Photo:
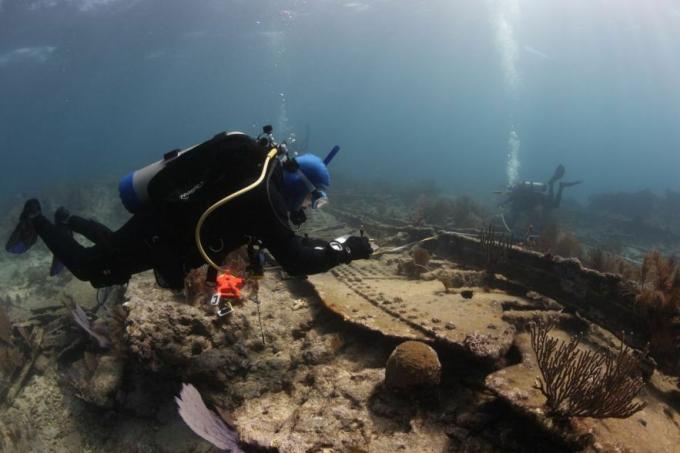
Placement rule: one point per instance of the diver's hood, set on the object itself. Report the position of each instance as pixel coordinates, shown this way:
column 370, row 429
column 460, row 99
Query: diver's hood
column 304, row 175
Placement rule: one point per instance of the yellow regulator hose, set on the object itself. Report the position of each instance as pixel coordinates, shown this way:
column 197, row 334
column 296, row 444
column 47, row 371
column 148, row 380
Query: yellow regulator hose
column 197, row 233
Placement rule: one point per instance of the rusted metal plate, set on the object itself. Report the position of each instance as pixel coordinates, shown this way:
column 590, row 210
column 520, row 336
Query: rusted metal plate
column 371, row 295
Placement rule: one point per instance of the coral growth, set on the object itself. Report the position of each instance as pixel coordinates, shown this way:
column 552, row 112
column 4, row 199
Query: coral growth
column 116, row 330
column 417, row 265
column 454, row 278
column 205, row 422
column 412, row 365
column 659, row 302
column 608, row 262
column 196, row 288
column 421, row 257
column 556, row 242
column 579, row 383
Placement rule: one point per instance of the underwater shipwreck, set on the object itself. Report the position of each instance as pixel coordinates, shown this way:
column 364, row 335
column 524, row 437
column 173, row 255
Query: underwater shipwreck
column 452, row 337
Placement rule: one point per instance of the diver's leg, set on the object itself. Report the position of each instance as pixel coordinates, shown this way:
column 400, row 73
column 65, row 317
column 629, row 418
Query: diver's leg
column 510, row 219
column 100, row 264
column 557, row 175
column 90, row 229
column 73, row 255
column 558, row 198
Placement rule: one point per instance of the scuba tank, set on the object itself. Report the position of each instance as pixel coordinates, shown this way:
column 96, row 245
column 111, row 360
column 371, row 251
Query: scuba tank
column 133, row 188
column 534, row 186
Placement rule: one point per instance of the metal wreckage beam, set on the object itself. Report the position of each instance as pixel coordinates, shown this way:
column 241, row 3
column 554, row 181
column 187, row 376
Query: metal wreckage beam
column 605, row 299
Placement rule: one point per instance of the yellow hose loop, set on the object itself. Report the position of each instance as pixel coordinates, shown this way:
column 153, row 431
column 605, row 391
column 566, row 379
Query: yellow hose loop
column 197, row 233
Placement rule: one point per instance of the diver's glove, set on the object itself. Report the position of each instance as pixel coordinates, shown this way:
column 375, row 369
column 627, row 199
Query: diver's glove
column 359, row 247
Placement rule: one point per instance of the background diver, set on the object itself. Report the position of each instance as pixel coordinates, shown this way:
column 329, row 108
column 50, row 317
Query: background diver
column 535, row 200
column 196, row 206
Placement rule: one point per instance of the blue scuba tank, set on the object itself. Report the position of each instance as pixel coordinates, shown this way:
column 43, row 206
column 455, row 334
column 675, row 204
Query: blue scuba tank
column 133, row 187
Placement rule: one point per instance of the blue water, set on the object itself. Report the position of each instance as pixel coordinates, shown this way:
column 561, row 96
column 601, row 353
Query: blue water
column 412, row 90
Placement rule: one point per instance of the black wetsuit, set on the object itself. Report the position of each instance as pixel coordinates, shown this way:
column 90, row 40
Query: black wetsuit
column 162, row 236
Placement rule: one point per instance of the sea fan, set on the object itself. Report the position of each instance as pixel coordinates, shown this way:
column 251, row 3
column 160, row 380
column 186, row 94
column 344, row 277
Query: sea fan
column 205, row 422
column 80, row 318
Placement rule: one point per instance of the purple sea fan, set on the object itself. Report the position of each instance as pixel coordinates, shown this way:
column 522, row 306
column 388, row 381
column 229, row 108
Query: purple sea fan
column 205, row 422
column 80, row 318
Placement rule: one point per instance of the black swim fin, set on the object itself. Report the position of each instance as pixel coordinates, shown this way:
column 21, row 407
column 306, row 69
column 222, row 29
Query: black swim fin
column 24, row 235
column 559, row 172
column 56, row 267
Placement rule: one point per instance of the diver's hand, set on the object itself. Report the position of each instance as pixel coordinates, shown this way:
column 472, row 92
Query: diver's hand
column 359, row 247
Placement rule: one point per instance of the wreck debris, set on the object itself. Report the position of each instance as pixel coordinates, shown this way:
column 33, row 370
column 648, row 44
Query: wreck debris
column 413, row 365
column 580, row 383
column 400, row 309
column 5, row 327
column 17, row 359
column 34, row 343
column 205, row 422
column 605, row 299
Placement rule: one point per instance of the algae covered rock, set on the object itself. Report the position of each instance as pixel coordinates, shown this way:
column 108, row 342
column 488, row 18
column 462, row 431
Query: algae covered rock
column 412, row 365
column 165, row 333
column 96, row 378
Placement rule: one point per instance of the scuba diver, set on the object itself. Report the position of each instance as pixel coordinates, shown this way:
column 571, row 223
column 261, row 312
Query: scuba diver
column 534, row 199
column 195, row 206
